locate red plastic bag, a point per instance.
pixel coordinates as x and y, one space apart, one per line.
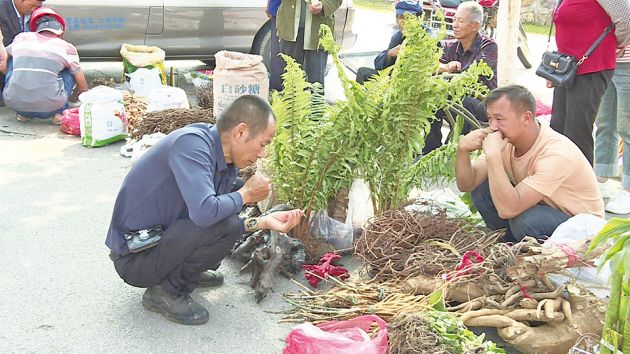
338 337
70 121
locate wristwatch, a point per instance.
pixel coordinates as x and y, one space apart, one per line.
251 224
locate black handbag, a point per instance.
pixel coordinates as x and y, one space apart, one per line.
561 68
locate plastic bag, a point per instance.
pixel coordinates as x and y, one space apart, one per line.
166 97
338 234
576 228
102 117
70 122
143 81
338 337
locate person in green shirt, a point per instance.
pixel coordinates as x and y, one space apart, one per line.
298 23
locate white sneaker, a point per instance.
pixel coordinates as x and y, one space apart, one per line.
621 203
605 189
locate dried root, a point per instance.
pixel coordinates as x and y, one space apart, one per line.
169 120
205 97
398 244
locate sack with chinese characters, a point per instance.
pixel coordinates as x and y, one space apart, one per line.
238 74
102 117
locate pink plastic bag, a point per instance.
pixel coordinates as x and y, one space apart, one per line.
70 121
338 337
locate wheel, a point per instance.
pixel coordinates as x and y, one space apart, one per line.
262 44
523 47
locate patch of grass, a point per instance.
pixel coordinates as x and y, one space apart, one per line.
537 29
375 5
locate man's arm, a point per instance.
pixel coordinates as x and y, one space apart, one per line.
81 85
329 7
619 12
469 175
509 201
192 162
387 57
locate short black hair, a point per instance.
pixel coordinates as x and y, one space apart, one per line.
521 98
249 109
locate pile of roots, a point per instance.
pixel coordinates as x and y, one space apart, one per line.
510 291
168 120
398 244
205 97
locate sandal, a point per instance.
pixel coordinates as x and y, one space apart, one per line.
21 118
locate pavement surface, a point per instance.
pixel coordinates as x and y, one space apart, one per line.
60 291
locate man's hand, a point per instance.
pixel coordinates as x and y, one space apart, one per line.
473 140
393 53
281 221
453 67
620 51
315 7
494 144
549 84
255 189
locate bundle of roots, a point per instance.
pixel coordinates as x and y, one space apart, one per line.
169 120
135 106
349 299
399 244
205 97
411 333
511 292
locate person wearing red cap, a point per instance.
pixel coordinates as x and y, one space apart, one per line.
43 71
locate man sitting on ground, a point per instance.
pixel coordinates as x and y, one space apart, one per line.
42 69
186 186
388 57
530 178
469 46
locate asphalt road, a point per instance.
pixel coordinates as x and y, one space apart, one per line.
60 291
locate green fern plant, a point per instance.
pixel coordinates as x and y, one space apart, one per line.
374 134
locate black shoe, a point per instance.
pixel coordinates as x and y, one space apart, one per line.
180 309
210 278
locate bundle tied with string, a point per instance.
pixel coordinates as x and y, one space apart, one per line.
398 244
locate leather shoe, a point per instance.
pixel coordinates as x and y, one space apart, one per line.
210 278
180 309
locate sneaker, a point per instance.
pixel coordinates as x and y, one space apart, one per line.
210 278
180 309
605 189
621 203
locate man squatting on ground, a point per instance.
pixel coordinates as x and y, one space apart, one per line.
186 185
530 178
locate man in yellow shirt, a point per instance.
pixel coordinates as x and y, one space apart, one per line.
530 178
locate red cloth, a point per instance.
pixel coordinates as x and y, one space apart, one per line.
469 259
323 269
578 24
542 108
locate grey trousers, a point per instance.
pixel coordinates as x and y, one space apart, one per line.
575 109
184 251
313 62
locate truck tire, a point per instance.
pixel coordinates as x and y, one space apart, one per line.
262 44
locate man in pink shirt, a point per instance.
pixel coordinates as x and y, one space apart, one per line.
43 71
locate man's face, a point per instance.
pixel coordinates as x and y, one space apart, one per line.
400 21
504 118
463 26
28 6
246 149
